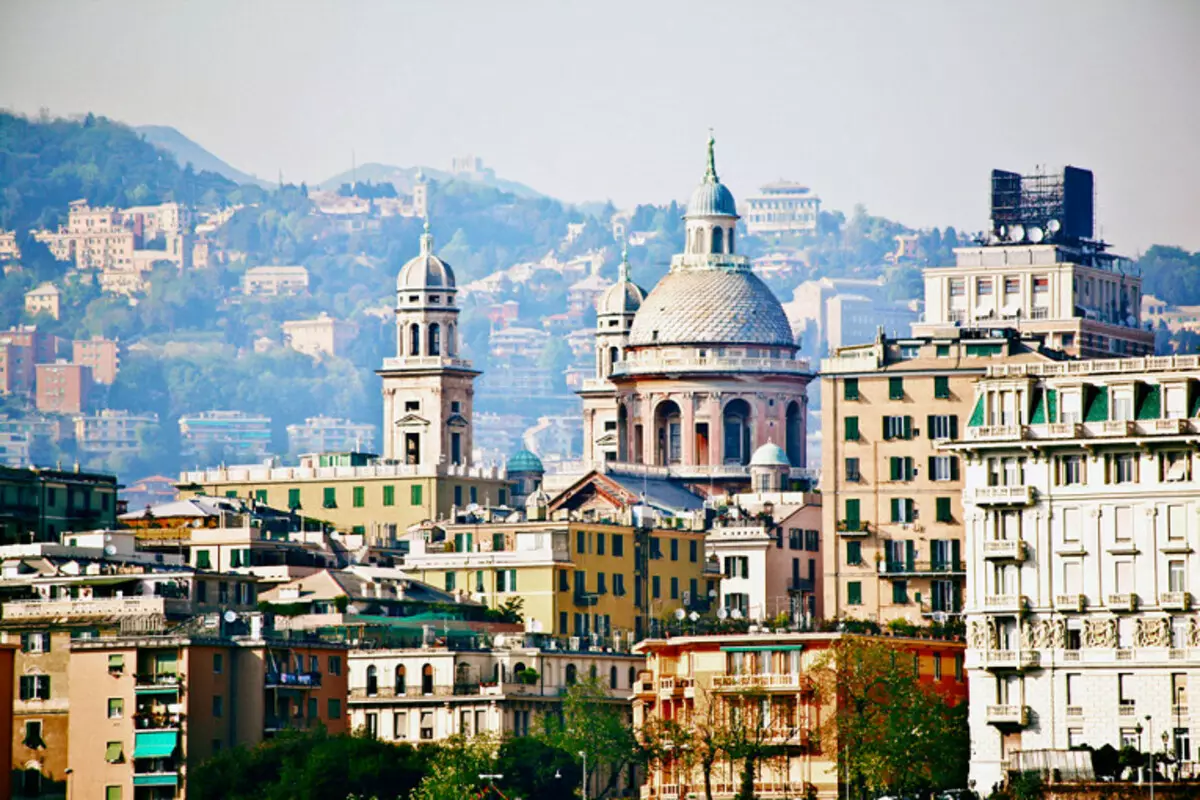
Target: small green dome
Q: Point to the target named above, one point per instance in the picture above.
(525, 461)
(769, 455)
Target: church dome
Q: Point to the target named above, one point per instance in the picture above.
(711, 198)
(524, 461)
(714, 306)
(769, 455)
(426, 271)
(624, 296)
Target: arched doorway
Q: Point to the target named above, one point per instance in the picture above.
(794, 426)
(736, 423)
(622, 434)
(668, 434)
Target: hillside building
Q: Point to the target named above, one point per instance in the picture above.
(36, 505)
(782, 207)
(330, 435)
(323, 335)
(9, 249)
(63, 387)
(45, 299)
(100, 354)
(110, 432)
(234, 435)
(272, 281)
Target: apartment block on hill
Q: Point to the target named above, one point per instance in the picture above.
(63, 387)
(100, 354)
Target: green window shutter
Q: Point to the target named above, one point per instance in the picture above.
(850, 389)
(449, 581)
(941, 387)
(512, 580)
(910, 554)
(293, 499)
(415, 494)
(954, 427)
(854, 593)
(852, 513)
(231, 492)
(497, 542)
(203, 561)
(1052, 405)
(896, 516)
(854, 552)
(260, 496)
(909, 469)
(895, 388)
(943, 351)
(953, 468)
(908, 427)
(1038, 417)
(976, 419)
(929, 466)
(883, 430)
(899, 592)
(359, 529)
(943, 510)
(851, 429)
(389, 495)
(1098, 407)
(1151, 405)
(359, 494)
(894, 468)
(955, 554)
(330, 497)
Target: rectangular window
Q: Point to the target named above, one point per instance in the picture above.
(112, 793)
(601, 583)
(852, 471)
(655, 547)
(330, 497)
(958, 287)
(941, 387)
(450, 581)
(389, 495)
(293, 499)
(901, 468)
(203, 559)
(414, 497)
(334, 708)
(335, 665)
(693, 551)
(902, 509)
(218, 706)
(1176, 582)
(1012, 285)
(674, 588)
(854, 553)
(812, 541)
(854, 593)
(260, 496)
(943, 426)
(896, 427)
(114, 752)
(899, 593)
(656, 587)
(618, 545)
(564, 581)
(458, 496)
(116, 707)
(944, 513)
(895, 388)
(1070, 470)
(674, 549)
(943, 468)
(581, 542)
(852, 514)
(1124, 468)
(218, 663)
(850, 389)
(851, 429)
(983, 286)
(600, 544)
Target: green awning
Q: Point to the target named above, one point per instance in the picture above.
(155, 744)
(976, 415)
(1151, 405)
(156, 780)
(1038, 417)
(116, 661)
(1097, 410)
(156, 690)
(760, 648)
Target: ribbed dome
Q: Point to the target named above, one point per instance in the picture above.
(711, 199)
(769, 455)
(711, 306)
(623, 297)
(524, 461)
(426, 271)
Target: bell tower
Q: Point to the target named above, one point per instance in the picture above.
(428, 390)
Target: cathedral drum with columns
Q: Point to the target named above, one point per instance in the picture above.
(693, 377)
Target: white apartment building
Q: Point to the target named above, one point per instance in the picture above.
(782, 207)
(439, 688)
(330, 435)
(275, 280)
(321, 335)
(113, 431)
(1082, 515)
(236, 434)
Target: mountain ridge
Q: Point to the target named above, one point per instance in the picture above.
(187, 150)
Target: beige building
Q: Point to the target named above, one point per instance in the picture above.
(1086, 301)
(275, 280)
(45, 299)
(782, 207)
(9, 249)
(110, 432)
(63, 388)
(321, 335)
(892, 498)
(100, 354)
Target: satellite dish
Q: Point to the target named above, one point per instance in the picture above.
(723, 613)
(1054, 226)
(230, 616)
(1016, 233)
(680, 614)
(109, 550)
(736, 613)
(1036, 235)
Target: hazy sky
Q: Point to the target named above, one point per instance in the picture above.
(903, 106)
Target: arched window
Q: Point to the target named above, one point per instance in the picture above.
(372, 681)
(730, 248)
(737, 423)
(401, 681)
(622, 434)
(427, 679)
(718, 240)
(794, 424)
(517, 669)
(435, 339)
(414, 340)
(612, 677)
(668, 434)
(571, 675)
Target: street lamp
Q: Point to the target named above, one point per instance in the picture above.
(491, 778)
(1150, 741)
(583, 782)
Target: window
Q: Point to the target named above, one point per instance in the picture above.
(335, 665)
(116, 707)
(581, 542)
(334, 708)
(854, 593)
(112, 793)
(114, 752)
(655, 547)
(903, 509)
(1041, 284)
(674, 549)
(35, 687)
(35, 642)
(329, 497)
(944, 513)
(564, 582)
(853, 521)
(458, 496)
(983, 286)
(1124, 468)
(260, 496)
(1122, 406)
(812, 541)
(897, 427)
(852, 472)
(1070, 470)
(795, 539)
(693, 551)
(389, 495)
(414, 498)
(850, 389)
(851, 429)
(941, 387)
(601, 584)
(854, 554)
(1012, 285)
(618, 581)
(958, 287)
(674, 588)
(293, 499)
(656, 587)
(1175, 576)
(400, 725)
(203, 559)
(33, 735)
(943, 468)
(900, 468)
(506, 580)
(599, 544)
(218, 705)
(618, 545)
(943, 426)
(450, 581)
(895, 388)
(1175, 467)
(1124, 687)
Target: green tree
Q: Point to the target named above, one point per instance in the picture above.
(456, 766)
(591, 723)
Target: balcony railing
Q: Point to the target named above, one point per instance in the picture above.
(94, 607)
(1122, 602)
(997, 432)
(586, 598)
(1004, 549)
(936, 567)
(754, 680)
(301, 680)
(1175, 601)
(1006, 602)
(154, 680)
(1010, 659)
(853, 527)
(675, 685)
(1070, 603)
(157, 721)
(1008, 715)
(1005, 495)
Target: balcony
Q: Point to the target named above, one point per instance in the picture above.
(756, 680)
(1122, 602)
(156, 683)
(1004, 550)
(94, 607)
(853, 527)
(1005, 496)
(155, 720)
(1175, 601)
(1060, 430)
(899, 569)
(293, 680)
(1118, 428)
(676, 687)
(997, 432)
(1014, 716)
(1006, 603)
(1163, 427)
(1070, 603)
(586, 598)
(1010, 659)
(644, 685)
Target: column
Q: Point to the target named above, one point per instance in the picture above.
(687, 424)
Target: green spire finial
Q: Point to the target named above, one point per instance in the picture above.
(624, 268)
(710, 174)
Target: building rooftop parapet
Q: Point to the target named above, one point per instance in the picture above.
(727, 261)
(265, 474)
(1098, 367)
(22, 610)
(705, 471)
(653, 361)
(425, 362)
